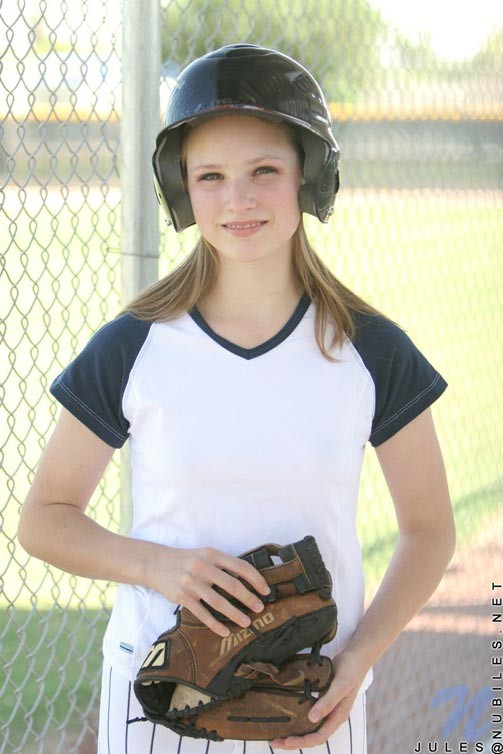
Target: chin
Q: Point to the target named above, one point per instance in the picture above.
(250, 249)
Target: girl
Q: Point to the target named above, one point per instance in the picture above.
(248, 382)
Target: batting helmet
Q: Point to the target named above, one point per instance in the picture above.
(256, 81)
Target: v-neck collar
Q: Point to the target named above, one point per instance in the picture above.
(268, 345)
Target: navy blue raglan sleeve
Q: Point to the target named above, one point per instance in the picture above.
(405, 382)
(93, 384)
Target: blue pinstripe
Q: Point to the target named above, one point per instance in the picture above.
(208, 743)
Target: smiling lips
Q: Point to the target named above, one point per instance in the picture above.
(244, 228)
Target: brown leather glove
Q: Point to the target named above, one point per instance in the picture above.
(299, 613)
(276, 706)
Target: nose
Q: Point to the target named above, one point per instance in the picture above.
(240, 194)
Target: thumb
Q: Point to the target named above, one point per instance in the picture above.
(326, 703)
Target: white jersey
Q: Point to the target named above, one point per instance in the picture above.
(232, 448)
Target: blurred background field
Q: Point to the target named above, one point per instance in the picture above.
(446, 295)
(417, 231)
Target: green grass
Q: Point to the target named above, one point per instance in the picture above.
(432, 261)
(473, 514)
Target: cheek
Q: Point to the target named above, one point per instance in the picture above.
(203, 204)
(288, 199)
(284, 195)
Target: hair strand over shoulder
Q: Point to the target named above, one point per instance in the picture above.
(189, 283)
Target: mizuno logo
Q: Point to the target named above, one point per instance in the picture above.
(242, 634)
(156, 657)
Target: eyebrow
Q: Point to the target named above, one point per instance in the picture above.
(215, 166)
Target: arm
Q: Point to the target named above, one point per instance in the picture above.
(54, 527)
(413, 467)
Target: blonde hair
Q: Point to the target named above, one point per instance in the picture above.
(194, 279)
(183, 289)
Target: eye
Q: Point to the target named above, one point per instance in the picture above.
(208, 176)
(264, 169)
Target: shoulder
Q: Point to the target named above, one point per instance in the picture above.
(378, 335)
(92, 386)
(383, 344)
(116, 345)
(405, 382)
(125, 333)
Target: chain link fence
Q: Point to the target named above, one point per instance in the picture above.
(417, 231)
(60, 279)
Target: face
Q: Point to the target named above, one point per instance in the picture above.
(243, 178)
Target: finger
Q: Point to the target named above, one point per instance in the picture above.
(237, 589)
(223, 606)
(303, 742)
(332, 708)
(247, 572)
(297, 742)
(334, 719)
(204, 615)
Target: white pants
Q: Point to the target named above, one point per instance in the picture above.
(119, 733)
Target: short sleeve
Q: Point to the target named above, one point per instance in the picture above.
(93, 384)
(405, 382)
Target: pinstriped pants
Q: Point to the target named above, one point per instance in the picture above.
(119, 733)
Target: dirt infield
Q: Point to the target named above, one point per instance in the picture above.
(433, 684)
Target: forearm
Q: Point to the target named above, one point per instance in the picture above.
(414, 572)
(62, 534)
(67, 538)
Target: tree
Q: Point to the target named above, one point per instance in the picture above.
(337, 40)
(490, 57)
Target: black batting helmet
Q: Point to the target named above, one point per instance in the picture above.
(256, 81)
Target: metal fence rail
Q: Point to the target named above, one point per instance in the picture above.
(417, 231)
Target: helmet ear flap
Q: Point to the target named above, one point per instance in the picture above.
(327, 188)
(321, 177)
(168, 179)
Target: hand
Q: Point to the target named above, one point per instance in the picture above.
(335, 705)
(186, 577)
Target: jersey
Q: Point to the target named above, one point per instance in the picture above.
(234, 447)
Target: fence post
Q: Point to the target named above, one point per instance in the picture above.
(141, 75)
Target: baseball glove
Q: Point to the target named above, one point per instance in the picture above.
(276, 706)
(190, 669)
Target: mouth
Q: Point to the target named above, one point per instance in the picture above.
(244, 228)
(242, 225)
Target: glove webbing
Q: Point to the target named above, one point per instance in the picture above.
(302, 569)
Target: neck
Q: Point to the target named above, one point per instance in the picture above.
(252, 291)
